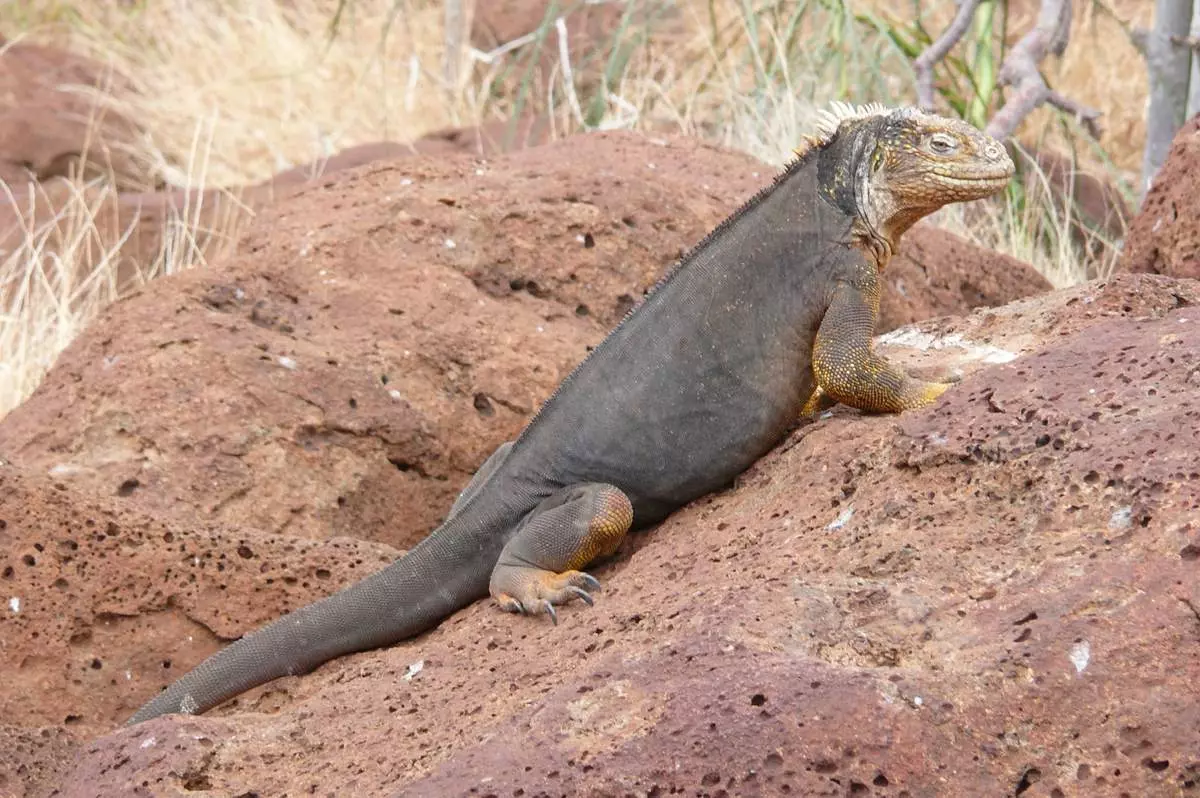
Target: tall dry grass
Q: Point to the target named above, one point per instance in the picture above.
(232, 92)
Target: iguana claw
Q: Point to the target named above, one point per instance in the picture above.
(542, 590)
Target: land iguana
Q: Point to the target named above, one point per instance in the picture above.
(768, 318)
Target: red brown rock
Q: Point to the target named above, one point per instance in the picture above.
(95, 592)
(1163, 238)
(993, 596)
(51, 123)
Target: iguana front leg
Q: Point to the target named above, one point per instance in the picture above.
(848, 370)
(539, 566)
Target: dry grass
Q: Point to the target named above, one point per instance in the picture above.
(232, 92)
(262, 78)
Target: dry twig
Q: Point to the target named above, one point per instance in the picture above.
(923, 65)
(1021, 71)
(1021, 68)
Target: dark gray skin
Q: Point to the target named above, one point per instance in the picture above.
(696, 384)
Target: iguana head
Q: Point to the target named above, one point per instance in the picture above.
(891, 167)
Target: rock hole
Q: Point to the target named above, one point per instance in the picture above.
(29, 560)
(1091, 477)
(127, 487)
(96, 664)
(1083, 772)
(323, 573)
(588, 241)
(880, 781)
(582, 310)
(1057, 793)
(60, 583)
(8, 572)
(1157, 765)
(166, 664)
(484, 405)
(244, 552)
(825, 766)
(1025, 635)
(1030, 617)
(1028, 779)
(858, 788)
(757, 700)
(710, 779)
(194, 782)
(1190, 552)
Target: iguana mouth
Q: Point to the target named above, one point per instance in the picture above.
(976, 180)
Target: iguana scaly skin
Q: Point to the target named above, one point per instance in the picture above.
(769, 317)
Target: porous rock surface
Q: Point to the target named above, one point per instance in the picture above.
(997, 595)
(1163, 238)
(383, 328)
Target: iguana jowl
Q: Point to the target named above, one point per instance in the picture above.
(769, 317)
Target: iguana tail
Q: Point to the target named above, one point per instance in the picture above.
(443, 573)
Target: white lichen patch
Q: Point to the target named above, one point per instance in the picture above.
(1121, 518)
(14, 604)
(413, 670)
(842, 519)
(916, 339)
(1080, 655)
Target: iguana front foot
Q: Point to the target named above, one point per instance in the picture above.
(539, 567)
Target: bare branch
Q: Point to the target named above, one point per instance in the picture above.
(923, 65)
(1085, 115)
(1021, 70)
(1191, 42)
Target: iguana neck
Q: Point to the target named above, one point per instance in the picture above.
(844, 170)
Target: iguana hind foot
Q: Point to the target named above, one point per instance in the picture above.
(539, 567)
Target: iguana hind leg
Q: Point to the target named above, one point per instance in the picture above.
(539, 567)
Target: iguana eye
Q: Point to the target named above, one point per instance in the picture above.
(943, 143)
